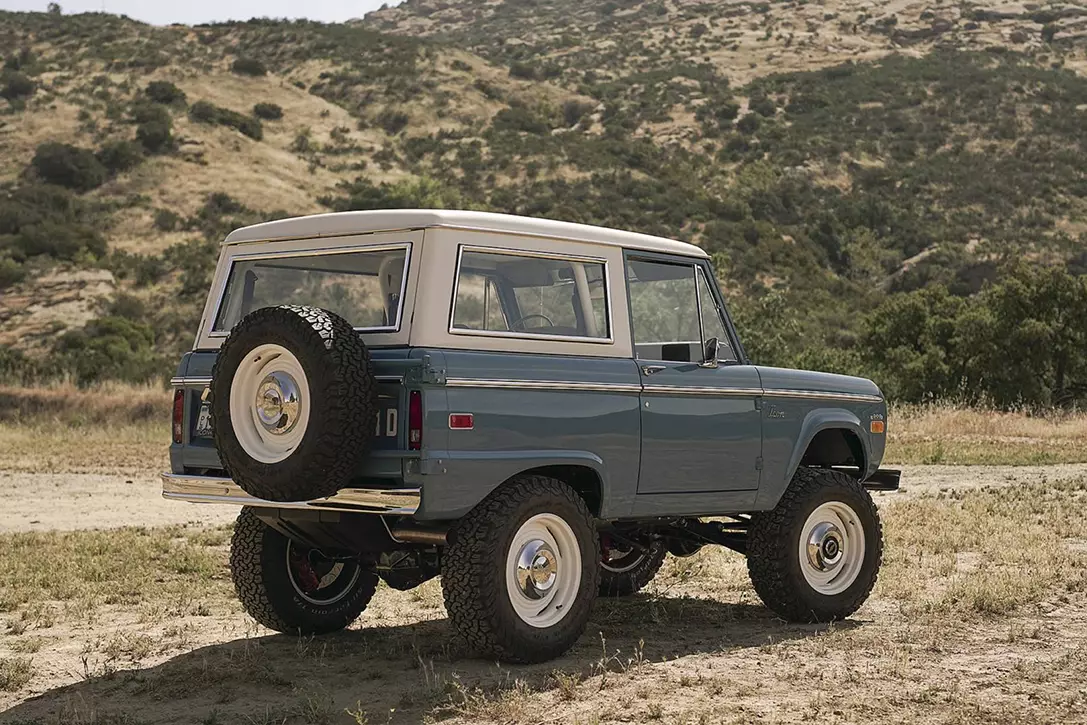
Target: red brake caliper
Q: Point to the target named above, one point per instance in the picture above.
(304, 574)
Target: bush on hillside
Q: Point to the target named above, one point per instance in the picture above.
(268, 111)
(146, 112)
(164, 92)
(155, 136)
(393, 121)
(206, 112)
(109, 348)
(16, 86)
(69, 166)
(249, 67)
(119, 156)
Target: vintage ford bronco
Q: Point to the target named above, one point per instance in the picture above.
(538, 411)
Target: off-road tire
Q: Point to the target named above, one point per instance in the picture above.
(258, 566)
(343, 403)
(773, 558)
(625, 583)
(474, 577)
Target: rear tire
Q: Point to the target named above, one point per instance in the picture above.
(621, 576)
(816, 556)
(291, 589)
(521, 571)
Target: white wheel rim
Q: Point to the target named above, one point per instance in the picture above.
(613, 555)
(269, 403)
(832, 548)
(543, 570)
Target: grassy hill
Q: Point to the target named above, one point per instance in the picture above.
(832, 156)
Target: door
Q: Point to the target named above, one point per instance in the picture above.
(701, 422)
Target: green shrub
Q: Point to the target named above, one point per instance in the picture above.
(11, 272)
(249, 67)
(167, 220)
(145, 112)
(164, 92)
(526, 71)
(393, 121)
(69, 166)
(268, 111)
(16, 86)
(574, 110)
(460, 65)
(748, 124)
(210, 113)
(109, 348)
(118, 156)
(520, 118)
(155, 136)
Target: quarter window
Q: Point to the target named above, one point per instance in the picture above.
(363, 287)
(519, 295)
(712, 323)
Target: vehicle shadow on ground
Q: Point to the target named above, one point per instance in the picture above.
(397, 674)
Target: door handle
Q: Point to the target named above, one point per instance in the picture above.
(651, 369)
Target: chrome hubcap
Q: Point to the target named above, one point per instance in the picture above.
(825, 546)
(278, 403)
(537, 569)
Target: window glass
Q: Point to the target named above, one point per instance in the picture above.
(530, 295)
(362, 287)
(479, 306)
(713, 324)
(664, 311)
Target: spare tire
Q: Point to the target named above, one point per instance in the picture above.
(293, 403)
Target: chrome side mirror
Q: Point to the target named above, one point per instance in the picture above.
(709, 357)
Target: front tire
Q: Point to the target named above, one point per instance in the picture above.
(291, 589)
(815, 557)
(521, 572)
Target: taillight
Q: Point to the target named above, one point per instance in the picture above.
(179, 414)
(415, 420)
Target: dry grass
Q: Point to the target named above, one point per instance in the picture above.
(980, 616)
(938, 433)
(68, 405)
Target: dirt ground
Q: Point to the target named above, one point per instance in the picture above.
(980, 616)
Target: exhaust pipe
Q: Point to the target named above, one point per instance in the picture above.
(412, 535)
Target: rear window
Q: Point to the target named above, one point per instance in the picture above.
(366, 288)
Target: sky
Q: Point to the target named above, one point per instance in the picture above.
(162, 12)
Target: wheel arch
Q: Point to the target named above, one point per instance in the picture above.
(584, 479)
(828, 437)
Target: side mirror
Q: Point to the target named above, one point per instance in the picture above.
(709, 356)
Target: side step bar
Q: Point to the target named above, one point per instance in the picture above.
(885, 479)
(213, 489)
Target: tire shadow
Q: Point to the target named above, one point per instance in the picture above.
(398, 674)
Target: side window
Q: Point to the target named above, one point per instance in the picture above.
(530, 295)
(479, 306)
(712, 323)
(664, 311)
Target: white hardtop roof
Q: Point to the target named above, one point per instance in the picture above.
(388, 220)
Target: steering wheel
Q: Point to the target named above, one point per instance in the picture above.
(519, 324)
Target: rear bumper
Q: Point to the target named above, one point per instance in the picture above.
(885, 479)
(210, 489)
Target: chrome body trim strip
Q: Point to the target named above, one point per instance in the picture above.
(572, 386)
(561, 385)
(212, 489)
(190, 382)
(719, 392)
(824, 395)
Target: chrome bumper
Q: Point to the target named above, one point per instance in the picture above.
(209, 489)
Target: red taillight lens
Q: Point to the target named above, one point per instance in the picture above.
(179, 415)
(461, 421)
(415, 420)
